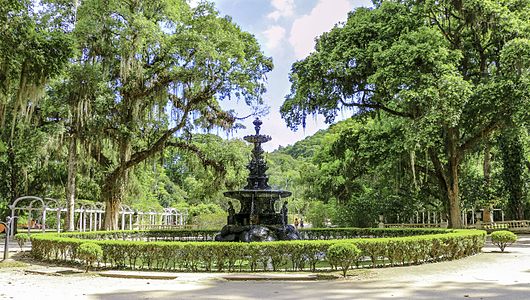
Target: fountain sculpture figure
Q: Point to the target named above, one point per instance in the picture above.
(257, 219)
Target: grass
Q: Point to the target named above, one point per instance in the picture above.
(12, 264)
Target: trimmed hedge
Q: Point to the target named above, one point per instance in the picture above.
(343, 255)
(22, 239)
(89, 253)
(275, 256)
(209, 235)
(503, 238)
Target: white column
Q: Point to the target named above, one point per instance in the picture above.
(91, 221)
(58, 220)
(44, 219)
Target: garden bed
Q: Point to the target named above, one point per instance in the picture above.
(379, 248)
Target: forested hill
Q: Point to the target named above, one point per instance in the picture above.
(306, 148)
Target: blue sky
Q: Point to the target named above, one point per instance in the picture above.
(286, 30)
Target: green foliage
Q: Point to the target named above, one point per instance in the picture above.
(204, 185)
(318, 214)
(343, 255)
(126, 249)
(89, 253)
(503, 238)
(513, 173)
(31, 54)
(22, 239)
(430, 85)
(210, 220)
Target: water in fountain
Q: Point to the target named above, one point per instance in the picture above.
(257, 220)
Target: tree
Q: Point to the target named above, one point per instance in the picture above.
(446, 73)
(513, 171)
(205, 185)
(31, 53)
(166, 66)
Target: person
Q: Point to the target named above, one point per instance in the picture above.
(301, 223)
(296, 222)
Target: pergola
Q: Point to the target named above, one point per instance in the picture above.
(89, 215)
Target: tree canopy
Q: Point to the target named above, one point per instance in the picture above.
(446, 74)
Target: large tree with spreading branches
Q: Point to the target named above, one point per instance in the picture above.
(447, 74)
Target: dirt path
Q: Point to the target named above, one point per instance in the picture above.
(489, 275)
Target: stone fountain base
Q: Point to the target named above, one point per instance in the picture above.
(257, 233)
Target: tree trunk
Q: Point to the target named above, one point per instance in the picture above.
(487, 216)
(70, 186)
(453, 201)
(114, 187)
(13, 172)
(112, 194)
(452, 178)
(448, 177)
(13, 182)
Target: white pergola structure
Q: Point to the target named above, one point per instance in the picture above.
(172, 216)
(89, 215)
(429, 218)
(30, 204)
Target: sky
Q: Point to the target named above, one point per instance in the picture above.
(286, 30)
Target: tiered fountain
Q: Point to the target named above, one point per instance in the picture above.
(257, 220)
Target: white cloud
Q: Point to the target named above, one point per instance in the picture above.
(274, 36)
(321, 18)
(282, 8)
(193, 3)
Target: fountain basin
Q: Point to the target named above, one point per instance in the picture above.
(257, 206)
(257, 233)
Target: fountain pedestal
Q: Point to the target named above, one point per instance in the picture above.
(257, 219)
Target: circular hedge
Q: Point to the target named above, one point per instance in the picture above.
(191, 250)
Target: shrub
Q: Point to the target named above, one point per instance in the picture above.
(129, 249)
(503, 238)
(22, 239)
(343, 255)
(89, 253)
(318, 213)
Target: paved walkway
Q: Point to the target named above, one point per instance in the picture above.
(489, 275)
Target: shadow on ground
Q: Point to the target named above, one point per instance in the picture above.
(334, 290)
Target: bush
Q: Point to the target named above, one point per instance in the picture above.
(210, 221)
(343, 255)
(318, 213)
(89, 253)
(22, 239)
(128, 249)
(503, 238)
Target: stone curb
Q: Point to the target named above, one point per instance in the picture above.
(53, 272)
(138, 275)
(278, 277)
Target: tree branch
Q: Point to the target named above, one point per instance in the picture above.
(469, 143)
(98, 156)
(202, 157)
(378, 106)
(438, 168)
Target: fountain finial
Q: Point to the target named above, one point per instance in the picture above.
(257, 125)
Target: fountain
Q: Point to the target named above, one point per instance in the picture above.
(257, 219)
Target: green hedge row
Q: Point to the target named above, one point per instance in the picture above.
(282, 255)
(209, 235)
